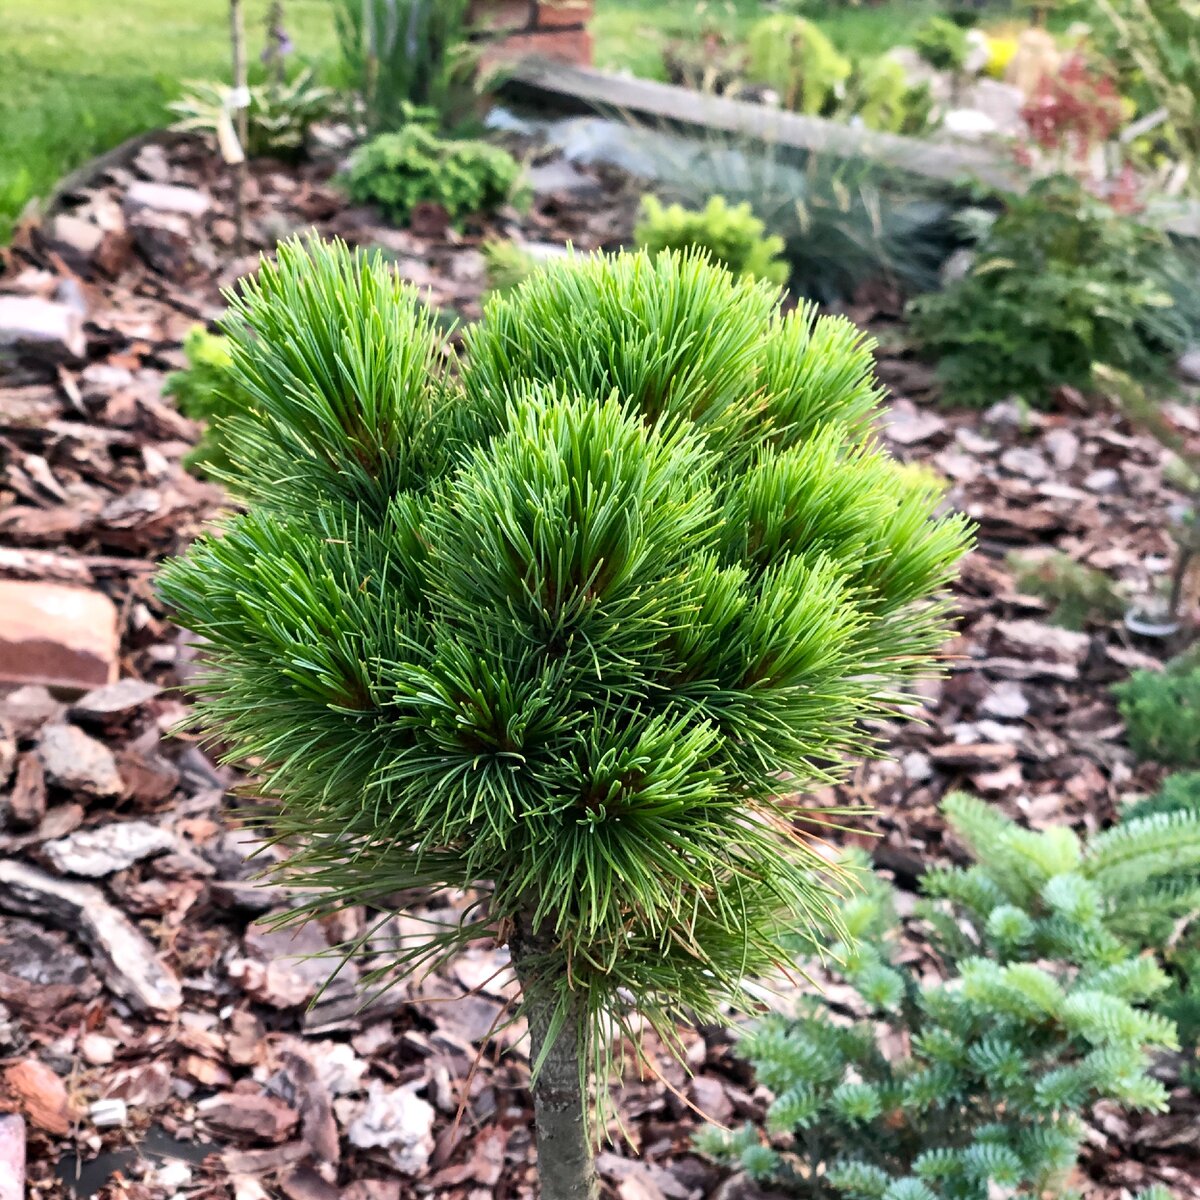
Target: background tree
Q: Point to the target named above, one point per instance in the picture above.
(570, 623)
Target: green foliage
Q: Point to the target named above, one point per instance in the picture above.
(397, 55)
(1161, 710)
(732, 235)
(507, 265)
(556, 617)
(1179, 793)
(1060, 284)
(207, 391)
(841, 223)
(1079, 594)
(942, 43)
(957, 1088)
(278, 118)
(1155, 47)
(791, 55)
(398, 171)
(880, 95)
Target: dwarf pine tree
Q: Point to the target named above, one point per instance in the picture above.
(971, 1085)
(566, 621)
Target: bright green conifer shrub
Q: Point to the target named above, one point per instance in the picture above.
(1162, 713)
(553, 622)
(962, 1087)
(733, 236)
(398, 171)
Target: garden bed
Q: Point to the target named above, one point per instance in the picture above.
(194, 1029)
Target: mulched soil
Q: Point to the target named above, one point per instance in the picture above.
(153, 1010)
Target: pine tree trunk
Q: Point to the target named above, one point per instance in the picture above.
(566, 1166)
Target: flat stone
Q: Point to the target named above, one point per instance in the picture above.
(559, 177)
(1033, 639)
(111, 848)
(399, 1122)
(167, 198)
(1022, 461)
(57, 636)
(115, 699)
(1006, 700)
(75, 239)
(41, 327)
(1188, 364)
(1104, 479)
(8, 756)
(74, 761)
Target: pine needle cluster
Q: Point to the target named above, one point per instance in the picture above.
(568, 620)
(974, 1084)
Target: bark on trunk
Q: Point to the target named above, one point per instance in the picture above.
(566, 1164)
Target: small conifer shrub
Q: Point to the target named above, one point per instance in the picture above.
(398, 171)
(554, 621)
(207, 391)
(1162, 713)
(1078, 593)
(1042, 1012)
(733, 236)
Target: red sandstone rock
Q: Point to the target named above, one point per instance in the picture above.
(42, 1094)
(61, 637)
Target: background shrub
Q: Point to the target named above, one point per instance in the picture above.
(842, 223)
(1161, 710)
(398, 171)
(942, 43)
(733, 236)
(959, 1088)
(791, 55)
(1078, 593)
(1060, 283)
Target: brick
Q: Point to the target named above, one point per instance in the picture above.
(60, 637)
(560, 14)
(500, 16)
(572, 46)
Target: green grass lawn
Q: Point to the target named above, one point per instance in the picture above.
(79, 76)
